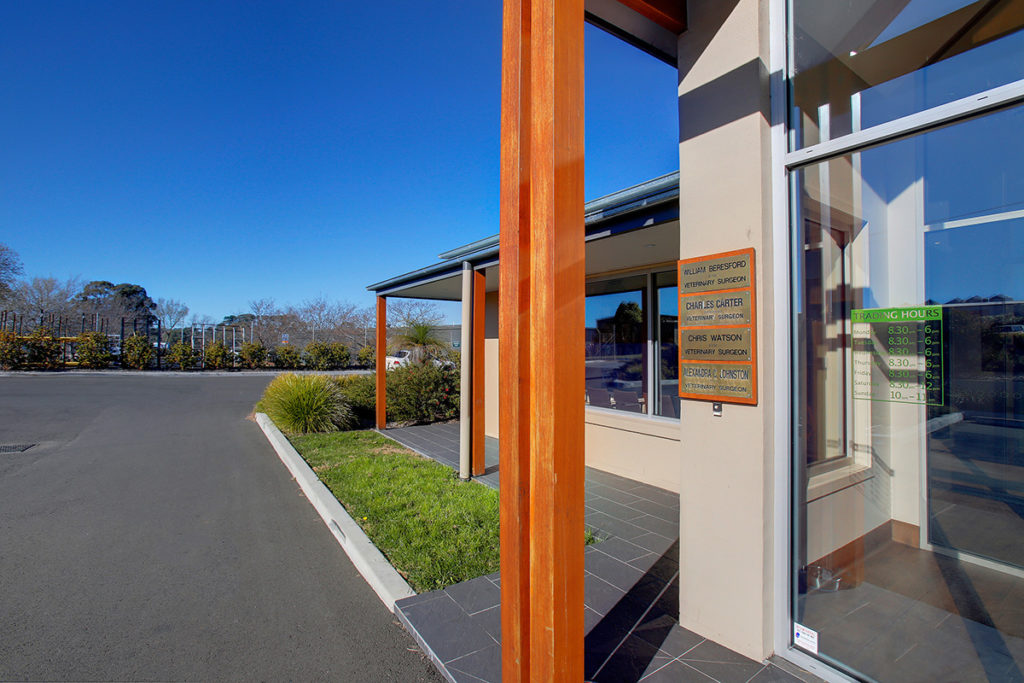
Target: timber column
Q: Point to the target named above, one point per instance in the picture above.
(380, 358)
(541, 328)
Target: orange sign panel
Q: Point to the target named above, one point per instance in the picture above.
(718, 328)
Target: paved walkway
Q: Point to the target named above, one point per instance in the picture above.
(151, 533)
(631, 591)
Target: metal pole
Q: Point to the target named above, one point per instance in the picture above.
(465, 397)
(159, 343)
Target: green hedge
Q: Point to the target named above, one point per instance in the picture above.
(326, 356)
(92, 350)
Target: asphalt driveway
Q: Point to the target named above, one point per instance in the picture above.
(152, 534)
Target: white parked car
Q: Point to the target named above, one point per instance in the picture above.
(403, 357)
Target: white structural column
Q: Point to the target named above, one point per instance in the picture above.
(466, 380)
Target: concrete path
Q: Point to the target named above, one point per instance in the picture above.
(153, 534)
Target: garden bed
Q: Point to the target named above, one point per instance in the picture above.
(434, 529)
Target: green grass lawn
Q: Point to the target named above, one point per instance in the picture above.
(434, 529)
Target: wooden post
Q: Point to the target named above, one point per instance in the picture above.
(479, 383)
(541, 341)
(381, 357)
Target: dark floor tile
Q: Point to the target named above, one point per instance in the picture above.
(612, 570)
(666, 513)
(630, 662)
(446, 628)
(656, 495)
(616, 510)
(599, 595)
(610, 526)
(676, 672)
(590, 619)
(727, 672)
(656, 543)
(622, 549)
(617, 495)
(475, 595)
(490, 621)
(669, 529)
(484, 665)
(710, 651)
(419, 598)
(663, 631)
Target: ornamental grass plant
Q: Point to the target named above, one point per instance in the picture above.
(301, 404)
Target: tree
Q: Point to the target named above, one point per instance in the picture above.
(421, 339)
(45, 295)
(10, 269)
(125, 300)
(171, 313)
(262, 309)
(407, 312)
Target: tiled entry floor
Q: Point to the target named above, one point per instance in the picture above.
(631, 592)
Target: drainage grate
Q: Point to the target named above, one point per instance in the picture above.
(15, 447)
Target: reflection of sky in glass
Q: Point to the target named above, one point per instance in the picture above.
(604, 305)
(668, 301)
(977, 260)
(918, 13)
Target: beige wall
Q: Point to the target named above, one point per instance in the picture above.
(641, 448)
(726, 478)
(491, 365)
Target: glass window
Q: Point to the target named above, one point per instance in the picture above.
(909, 461)
(616, 344)
(667, 302)
(857, 64)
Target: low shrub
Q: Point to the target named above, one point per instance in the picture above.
(92, 350)
(361, 393)
(306, 403)
(326, 356)
(12, 351)
(253, 355)
(183, 355)
(43, 349)
(422, 393)
(136, 352)
(217, 356)
(286, 357)
(366, 357)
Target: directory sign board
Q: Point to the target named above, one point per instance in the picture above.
(718, 328)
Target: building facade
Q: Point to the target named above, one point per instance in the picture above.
(862, 515)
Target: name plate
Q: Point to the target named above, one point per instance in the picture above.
(715, 273)
(717, 343)
(717, 328)
(724, 381)
(728, 308)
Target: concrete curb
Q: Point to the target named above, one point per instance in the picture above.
(378, 572)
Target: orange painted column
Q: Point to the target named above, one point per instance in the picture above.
(541, 330)
(381, 357)
(478, 386)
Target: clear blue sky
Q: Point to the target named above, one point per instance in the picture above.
(218, 152)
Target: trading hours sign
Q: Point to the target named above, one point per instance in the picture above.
(717, 328)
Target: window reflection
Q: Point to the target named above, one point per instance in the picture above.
(629, 350)
(616, 344)
(910, 462)
(858, 64)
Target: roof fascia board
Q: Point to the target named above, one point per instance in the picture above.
(634, 28)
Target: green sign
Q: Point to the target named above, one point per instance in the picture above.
(898, 355)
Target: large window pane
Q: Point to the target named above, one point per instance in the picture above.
(858, 64)
(909, 464)
(667, 297)
(616, 344)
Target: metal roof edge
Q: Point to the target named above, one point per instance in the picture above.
(635, 198)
